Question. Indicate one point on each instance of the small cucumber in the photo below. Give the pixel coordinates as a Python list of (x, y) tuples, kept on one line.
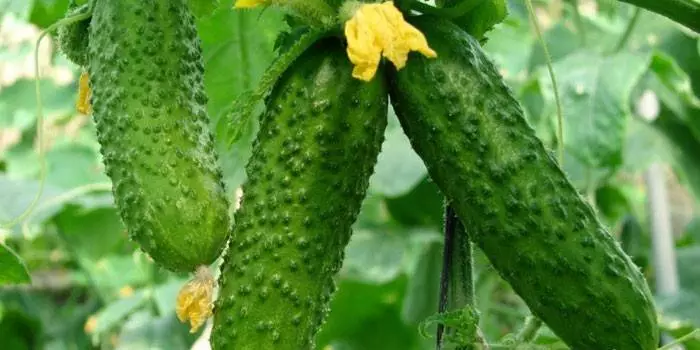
[(73, 38), (514, 199), (317, 146), (149, 105)]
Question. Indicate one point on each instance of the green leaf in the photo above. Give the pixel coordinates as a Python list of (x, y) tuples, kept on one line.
[(484, 17), (374, 257), (398, 168), (12, 269), (114, 313), (71, 165), (19, 330), (367, 317), (689, 270), (684, 148), (612, 203), (511, 47), (18, 102), (681, 306), (422, 206), (422, 293), (46, 12), (17, 195), (673, 86), (203, 8), (143, 331), (237, 48), (92, 234), (165, 296), (112, 273), (595, 92)]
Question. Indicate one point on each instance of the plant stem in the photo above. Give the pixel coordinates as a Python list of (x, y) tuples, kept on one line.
[(685, 12), (628, 30), (529, 330), (579, 22), (456, 279), (552, 77)]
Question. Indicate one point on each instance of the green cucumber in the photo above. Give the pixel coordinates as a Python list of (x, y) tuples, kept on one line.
[(149, 105), (317, 146), (73, 38), (514, 199)]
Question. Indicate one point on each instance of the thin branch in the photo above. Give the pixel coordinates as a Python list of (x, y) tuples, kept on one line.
[(628, 30)]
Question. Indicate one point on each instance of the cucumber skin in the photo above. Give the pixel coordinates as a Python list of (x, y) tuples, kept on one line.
[(73, 38), (517, 204), (317, 146), (149, 105)]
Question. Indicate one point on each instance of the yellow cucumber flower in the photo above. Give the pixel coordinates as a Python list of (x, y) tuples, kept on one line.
[(194, 301), (380, 29), (241, 4)]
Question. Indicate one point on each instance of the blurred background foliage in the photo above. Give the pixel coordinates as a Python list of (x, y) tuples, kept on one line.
[(91, 288)]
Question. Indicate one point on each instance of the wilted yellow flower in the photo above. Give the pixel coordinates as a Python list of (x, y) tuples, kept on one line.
[(247, 3), (380, 29), (83, 103), (194, 301)]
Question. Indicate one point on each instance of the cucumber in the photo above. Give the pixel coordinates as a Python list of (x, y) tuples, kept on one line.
[(317, 146), (73, 38), (514, 199), (149, 106)]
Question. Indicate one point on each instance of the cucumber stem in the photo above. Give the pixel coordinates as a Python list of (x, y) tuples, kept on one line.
[(529, 330), (628, 30), (552, 77), (456, 279)]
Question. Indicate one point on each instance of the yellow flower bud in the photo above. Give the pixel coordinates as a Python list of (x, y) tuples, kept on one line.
[(83, 103)]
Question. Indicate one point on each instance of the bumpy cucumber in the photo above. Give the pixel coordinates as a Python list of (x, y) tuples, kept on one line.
[(149, 105), (316, 149), (513, 198), (73, 38)]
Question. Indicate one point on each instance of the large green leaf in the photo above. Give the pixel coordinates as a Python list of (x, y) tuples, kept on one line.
[(203, 8), (18, 102), (18, 195), (237, 48), (12, 269), (92, 234), (595, 92), (46, 12), (143, 331), (422, 294), (510, 46), (111, 316), (422, 206), (367, 317), (683, 147)]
